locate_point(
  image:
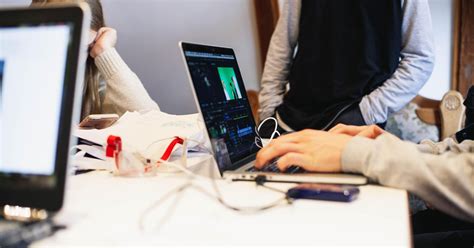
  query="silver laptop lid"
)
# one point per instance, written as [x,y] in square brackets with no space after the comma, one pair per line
[222,100]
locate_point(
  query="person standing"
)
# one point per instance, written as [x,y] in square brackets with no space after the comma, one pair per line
[350,62]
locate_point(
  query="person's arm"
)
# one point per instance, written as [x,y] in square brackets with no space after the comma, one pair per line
[124,90]
[279,59]
[444,177]
[445,180]
[415,67]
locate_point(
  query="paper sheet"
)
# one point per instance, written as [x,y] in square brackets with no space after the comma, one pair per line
[150,133]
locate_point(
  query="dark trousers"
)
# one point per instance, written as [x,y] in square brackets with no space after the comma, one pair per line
[434,229]
[351,116]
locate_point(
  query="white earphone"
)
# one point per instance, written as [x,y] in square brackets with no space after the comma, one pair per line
[259,140]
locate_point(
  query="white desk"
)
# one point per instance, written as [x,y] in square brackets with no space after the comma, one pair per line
[101,209]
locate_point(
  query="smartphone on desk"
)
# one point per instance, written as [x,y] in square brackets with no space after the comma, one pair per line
[326,192]
[99,121]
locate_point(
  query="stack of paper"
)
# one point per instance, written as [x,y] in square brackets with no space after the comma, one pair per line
[150,133]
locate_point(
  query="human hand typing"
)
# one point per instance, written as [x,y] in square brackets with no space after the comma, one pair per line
[371,132]
[310,149]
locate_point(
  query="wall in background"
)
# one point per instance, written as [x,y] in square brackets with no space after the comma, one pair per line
[442,18]
[149,32]
[9,3]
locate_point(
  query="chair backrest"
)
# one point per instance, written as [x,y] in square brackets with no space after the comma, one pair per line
[452,113]
[428,110]
[253,100]
[447,114]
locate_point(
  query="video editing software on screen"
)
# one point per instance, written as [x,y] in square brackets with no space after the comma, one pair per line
[224,104]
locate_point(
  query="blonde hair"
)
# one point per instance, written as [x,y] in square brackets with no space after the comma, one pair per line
[91,98]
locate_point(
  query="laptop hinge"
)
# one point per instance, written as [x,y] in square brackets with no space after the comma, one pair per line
[23,214]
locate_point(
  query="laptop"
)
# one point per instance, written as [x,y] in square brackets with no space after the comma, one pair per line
[222,101]
[42,60]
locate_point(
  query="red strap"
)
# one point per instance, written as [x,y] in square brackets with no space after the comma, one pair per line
[114,144]
[170,148]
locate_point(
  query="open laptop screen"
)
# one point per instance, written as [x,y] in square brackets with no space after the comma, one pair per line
[42,59]
[223,103]
[32,72]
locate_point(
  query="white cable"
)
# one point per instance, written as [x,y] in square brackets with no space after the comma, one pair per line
[218,195]
[257,130]
[156,141]
[184,170]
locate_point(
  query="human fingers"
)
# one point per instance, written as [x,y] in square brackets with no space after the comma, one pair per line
[347,129]
[293,158]
[268,153]
[337,127]
[287,138]
[101,32]
[106,38]
[295,137]
[371,132]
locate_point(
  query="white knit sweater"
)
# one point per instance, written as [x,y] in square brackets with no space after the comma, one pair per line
[123,89]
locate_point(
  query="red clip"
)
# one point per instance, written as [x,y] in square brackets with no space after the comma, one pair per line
[114,145]
[170,147]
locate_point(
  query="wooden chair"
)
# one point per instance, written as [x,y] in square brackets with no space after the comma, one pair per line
[447,114]
[253,99]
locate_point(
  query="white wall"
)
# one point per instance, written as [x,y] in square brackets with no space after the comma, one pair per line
[442,18]
[9,3]
[149,31]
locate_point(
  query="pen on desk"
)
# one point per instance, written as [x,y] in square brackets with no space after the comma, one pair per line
[87,142]
[79,172]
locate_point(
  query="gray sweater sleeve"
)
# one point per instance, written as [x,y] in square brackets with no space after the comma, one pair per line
[441,174]
[416,64]
[414,69]
[279,59]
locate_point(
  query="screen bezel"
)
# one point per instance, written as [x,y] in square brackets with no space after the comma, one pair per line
[193,47]
[30,190]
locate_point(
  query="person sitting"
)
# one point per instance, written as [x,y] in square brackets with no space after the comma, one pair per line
[110,85]
[442,174]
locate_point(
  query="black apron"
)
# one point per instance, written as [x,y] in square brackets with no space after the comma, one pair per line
[346,49]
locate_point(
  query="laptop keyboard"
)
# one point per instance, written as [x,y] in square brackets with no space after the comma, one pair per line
[18,234]
[272,167]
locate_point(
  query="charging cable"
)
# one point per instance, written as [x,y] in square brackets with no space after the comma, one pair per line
[216,195]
